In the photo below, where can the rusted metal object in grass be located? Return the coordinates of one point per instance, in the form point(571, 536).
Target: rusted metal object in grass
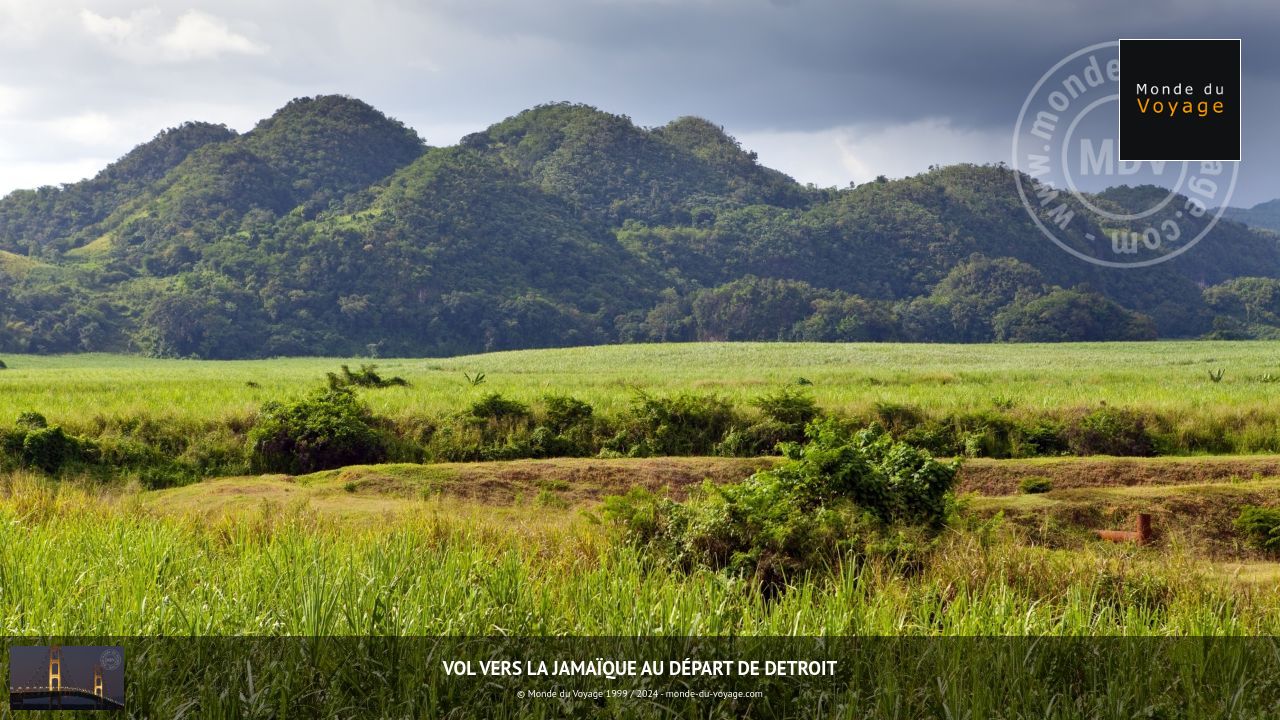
point(1141, 535)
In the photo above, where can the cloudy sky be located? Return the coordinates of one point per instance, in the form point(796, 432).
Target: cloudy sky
point(829, 91)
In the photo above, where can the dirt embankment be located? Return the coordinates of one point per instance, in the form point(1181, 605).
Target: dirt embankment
point(576, 480)
point(581, 482)
point(586, 480)
point(1001, 477)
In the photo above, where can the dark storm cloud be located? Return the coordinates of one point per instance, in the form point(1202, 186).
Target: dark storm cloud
point(82, 81)
point(810, 65)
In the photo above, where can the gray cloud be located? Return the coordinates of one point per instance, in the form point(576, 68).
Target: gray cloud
point(86, 80)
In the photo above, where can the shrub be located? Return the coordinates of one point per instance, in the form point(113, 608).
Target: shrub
point(498, 429)
point(565, 413)
point(49, 448)
point(898, 417)
point(366, 376)
point(788, 406)
point(1109, 431)
point(544, 442)
point(492, 428)
point(837, 493)
point(32, 420)
point(936, 436)
point(984, 434)
point(495, 407)
point(1043, 436)
point(150, 465)
point(3, 366)
point(1035, 484)
point(455, 441)
point(34, 443)
point(11, 446)
point(760, 438)
point(328, 429)
point(684, 424)
point(785, 415)
point(1260, 527)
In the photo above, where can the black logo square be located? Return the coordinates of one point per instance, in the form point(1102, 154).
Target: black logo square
point(1179, 100)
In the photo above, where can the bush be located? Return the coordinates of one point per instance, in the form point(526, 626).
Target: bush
point(11, 446)
point(761, 438)
point(149, 464)
point(898, 417)
point(1035, 484)
point(837, 493)
point(1260, 527)
point(985, 434)
point(328, 429)
point(3, 366)
point(786, 413)
point(495, 428)
point(33, 443)
point(1109, 431)
point(541, 442)
point(32, 420)
point(565, 413)
point(1043, 436)
point(495, 407)
point(936, 436)
point(366, 377)
point(789, 407)
point(685, 424)
point(50, 448)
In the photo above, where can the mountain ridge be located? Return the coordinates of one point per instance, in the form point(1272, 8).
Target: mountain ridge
point(330, 228)
point(1264, 215)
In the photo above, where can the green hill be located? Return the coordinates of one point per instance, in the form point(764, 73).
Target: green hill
point(1263, 215)
point(48, 216)
point(606, 167)
point(330, 228)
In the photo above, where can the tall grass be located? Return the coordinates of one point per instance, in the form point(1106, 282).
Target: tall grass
point(1164, 376)
point(75, 562)
point(279, 613)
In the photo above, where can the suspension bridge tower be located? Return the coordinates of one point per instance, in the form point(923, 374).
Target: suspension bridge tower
point(55, 671)
point(55, 667)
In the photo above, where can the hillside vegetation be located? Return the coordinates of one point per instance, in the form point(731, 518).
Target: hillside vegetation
point(331, 229)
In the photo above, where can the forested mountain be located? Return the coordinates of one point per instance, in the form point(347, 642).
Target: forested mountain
point(331, 229)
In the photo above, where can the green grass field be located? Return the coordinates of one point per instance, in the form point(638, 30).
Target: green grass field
point(314, 570)
point(316, 554)
point(1171, 377)
point(522, 548)
point(330, 562)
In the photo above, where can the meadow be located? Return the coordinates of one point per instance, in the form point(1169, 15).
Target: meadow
point(281, 607)
point(521, 548)
point(80, 561)
point(1169, 377)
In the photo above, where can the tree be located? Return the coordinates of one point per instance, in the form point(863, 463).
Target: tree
point(1071, 315)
